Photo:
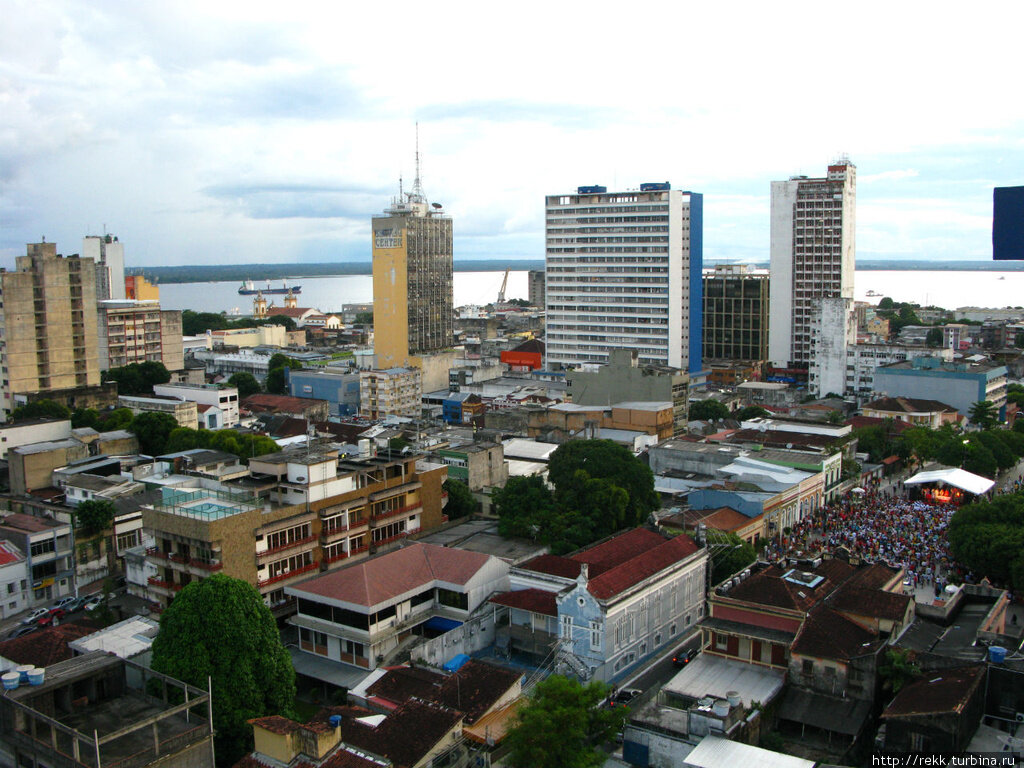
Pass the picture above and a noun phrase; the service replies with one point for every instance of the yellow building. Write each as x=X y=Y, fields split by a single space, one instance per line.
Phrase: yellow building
x=48 y=322
x=412 y=280
x=138 y=288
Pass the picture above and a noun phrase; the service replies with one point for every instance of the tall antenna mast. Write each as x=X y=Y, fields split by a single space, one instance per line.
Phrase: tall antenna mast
x=417 y=196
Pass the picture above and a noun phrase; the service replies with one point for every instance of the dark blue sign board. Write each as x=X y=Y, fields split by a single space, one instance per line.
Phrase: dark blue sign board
x=1008 y=224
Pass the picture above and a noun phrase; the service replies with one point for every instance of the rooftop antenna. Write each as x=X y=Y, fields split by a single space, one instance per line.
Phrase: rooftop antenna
x=417 y=196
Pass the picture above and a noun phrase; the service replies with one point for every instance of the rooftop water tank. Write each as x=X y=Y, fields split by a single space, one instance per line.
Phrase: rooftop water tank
x=996 y=654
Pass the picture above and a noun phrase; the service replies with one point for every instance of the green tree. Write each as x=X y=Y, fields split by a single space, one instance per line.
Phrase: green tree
x=605 y=460
x=898 y=670
x=277 y=381
x=94 y=516
x=751 y=412
x=590 y=508
x=245 y=383
x=987 y=537
x=525 y=507
x=706 y=410
x=287 y=322
x=137 y=378
x=119 y=418
x=460 y=499
x=934 y=337
x=562 y=725
x=886 y=303
x=153 y=430
x=984 y=414
x=198 y=323
x=364 y=318
x=85 y=417
x=184 y=439
x=41 y=409
x=279 y=360
x=219 y=628
x=729 y=554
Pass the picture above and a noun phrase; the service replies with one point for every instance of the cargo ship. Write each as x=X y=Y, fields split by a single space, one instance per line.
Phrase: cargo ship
x=249 y=288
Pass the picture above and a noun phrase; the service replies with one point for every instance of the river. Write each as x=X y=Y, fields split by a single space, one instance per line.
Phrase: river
x=947 y=289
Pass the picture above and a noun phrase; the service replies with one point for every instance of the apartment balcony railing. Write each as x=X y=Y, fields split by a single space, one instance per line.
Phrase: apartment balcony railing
x=395 y=512
x=282 y=576
x=289 y=545
x=389 y=539
x=169 y=585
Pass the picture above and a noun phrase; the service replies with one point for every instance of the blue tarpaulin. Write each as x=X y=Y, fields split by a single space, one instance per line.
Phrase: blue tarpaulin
x=456 y=662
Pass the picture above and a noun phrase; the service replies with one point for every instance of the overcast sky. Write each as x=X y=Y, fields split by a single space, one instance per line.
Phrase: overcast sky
x=216 y=132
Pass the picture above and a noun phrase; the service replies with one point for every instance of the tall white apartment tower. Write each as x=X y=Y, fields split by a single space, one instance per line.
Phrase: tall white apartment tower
x=812 y=257
x=108 y=254
x=623 y=271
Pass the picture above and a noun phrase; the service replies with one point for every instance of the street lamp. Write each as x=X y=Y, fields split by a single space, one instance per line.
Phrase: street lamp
x=963 y=464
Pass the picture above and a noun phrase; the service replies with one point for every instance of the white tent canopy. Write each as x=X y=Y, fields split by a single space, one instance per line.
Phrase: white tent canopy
x=958 y=478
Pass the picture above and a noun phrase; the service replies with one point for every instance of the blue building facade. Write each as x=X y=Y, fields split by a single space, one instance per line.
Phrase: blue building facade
x=340 y=389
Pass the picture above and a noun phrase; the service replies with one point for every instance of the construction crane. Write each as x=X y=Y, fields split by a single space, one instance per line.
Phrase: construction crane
x=501 y=291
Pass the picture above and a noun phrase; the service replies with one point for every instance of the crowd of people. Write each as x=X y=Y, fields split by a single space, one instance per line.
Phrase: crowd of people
x=880 y=526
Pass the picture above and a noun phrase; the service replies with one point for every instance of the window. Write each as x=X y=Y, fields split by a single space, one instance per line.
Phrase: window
x=42 y=547
x=808 y=667
x=10 y=588
x=567 y=627
x=721 y=642
x=595 y=635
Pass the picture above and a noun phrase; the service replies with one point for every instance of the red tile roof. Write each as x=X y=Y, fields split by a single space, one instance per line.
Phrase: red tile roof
x=9 y=553
x=641 y=566
x=871 y=602
x=24 y=522
x=407 y=735
x=46 y=646
x=618 y=550
x=476 y=687
x=827 y=634
x=533 y=600
x=940 y=692
x=410 y=569
x=402 y=683
x=278 y=403
x=619 y=562
x=553 y=565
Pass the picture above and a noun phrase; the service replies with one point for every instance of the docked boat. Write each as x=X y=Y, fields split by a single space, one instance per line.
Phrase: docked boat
x=250 y=288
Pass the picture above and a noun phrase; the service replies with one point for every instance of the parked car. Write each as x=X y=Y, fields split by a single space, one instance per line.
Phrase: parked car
x=684 y=656
x=623 y=697
x=92 y=603
x=51 y=618
x=35 y=616
x=69 y=604
x=24 y=629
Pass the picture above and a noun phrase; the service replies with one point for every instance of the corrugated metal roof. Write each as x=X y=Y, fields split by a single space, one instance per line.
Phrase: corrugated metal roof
x=713 y=752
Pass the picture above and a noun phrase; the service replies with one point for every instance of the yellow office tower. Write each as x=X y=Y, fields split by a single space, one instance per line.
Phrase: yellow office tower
x=412 y=280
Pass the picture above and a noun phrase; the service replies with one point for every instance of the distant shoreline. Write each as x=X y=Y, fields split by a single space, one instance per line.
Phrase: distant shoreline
x=201 y=273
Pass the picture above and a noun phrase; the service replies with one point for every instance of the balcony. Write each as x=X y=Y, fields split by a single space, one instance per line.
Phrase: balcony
x=284 y=547
x=396 y=512
x=390 y=539
x=170 y=586
x=205 y=566
x=282 y=576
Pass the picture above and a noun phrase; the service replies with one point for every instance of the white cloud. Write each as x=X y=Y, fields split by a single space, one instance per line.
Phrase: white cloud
x=146 y=116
